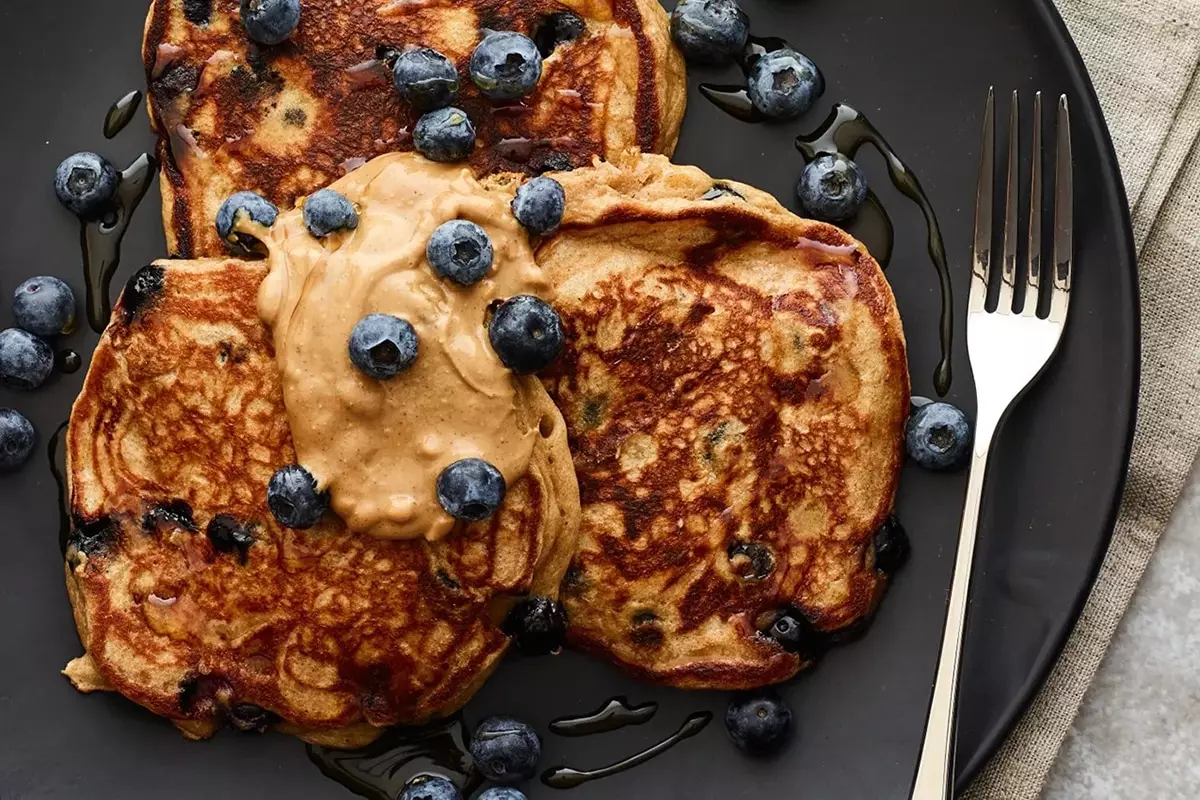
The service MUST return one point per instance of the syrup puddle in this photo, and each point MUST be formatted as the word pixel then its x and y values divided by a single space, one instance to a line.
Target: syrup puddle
pixel 121 114
pixel 57 453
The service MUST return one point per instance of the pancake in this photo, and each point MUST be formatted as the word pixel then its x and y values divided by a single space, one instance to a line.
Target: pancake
pixel 328 634
pixel 286 120
pixel 735 388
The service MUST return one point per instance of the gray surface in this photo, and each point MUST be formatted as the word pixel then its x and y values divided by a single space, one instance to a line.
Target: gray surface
pixel 1138 734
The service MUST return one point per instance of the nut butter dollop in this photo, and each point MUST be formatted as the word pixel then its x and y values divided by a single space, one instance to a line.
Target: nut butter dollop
pixel 379 446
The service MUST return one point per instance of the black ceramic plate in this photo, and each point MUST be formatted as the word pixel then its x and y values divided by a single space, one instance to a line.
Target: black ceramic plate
pixel 920 70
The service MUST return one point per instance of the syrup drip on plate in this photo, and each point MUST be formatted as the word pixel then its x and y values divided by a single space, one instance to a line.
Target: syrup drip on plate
pixel 845 131
pixel 381 769
pixel 101 239
pixel 616 714
pixel 121 114
pixel 569 777
pixel 57 453
pixel 68 362
pixel 735 100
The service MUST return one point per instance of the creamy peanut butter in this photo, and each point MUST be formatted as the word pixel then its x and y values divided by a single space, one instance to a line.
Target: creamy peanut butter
pixel 379 446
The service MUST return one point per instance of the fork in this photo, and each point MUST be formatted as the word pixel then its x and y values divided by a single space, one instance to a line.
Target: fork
pixel 1009 348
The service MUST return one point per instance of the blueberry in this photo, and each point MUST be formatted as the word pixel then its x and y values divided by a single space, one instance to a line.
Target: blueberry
pixel 86 184
pixel 294 499
pixel 506 750
pixel 556 29
pixel 891 546
pixel 710 31
pixel 938 436
pixel 759 723
pixel 460 251
pixel 383 346
pixel 270 21
pixel 430 787
pixel 247 205
pixel 25 360
pixel 526 334
pixel 539 205
pixel 832 188
pixel 444 135
pixel 229 536
pixel 45 306
pixel 503 793
pixel 327 211
pixel 248 717
pixel 784 84
pixel 796 634
pixel 470 489
pixel 537 625
pixel 425 78
pixel 506 66
pixel 16 439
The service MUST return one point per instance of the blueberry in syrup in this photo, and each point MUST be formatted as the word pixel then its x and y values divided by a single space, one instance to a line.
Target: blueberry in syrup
pixel 832 188
pixel 506 750
pixel 86 184
pixel 784 84
pixel 938 436
pixel 471 489
pixel 796 634
pixel 526 334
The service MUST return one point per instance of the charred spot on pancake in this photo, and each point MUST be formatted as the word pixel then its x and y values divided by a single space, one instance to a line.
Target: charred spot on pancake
pixel 891 546
pixel 227 535
pixel 644 617
pixel 295 117
pixel 259 59
pixel 447 581
pixel 143 289
pixel 204 695
pixel 751 561
pixel 719 190
pixel 172 513
pixel 593 412
pixel 555 29
pixel 227 352
pixel 793 631
pixel 647 636
pixel 177 79
pixel 555 161
pixel 91 537
pixel 197 12
pixel 573 580
pixel 247 717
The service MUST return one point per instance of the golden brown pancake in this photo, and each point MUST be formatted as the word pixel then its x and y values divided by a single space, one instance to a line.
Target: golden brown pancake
pixel 735 388
pixel 178 428
pixel 286 120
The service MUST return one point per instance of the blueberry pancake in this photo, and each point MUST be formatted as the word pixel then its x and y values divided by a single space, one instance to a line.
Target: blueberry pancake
pixel 192 600
pixel 735 386
pixel 286 119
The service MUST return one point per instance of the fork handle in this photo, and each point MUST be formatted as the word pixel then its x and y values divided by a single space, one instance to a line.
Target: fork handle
pixel 935 770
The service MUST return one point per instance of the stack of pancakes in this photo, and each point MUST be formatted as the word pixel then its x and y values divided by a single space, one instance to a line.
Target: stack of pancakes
pixel 732 398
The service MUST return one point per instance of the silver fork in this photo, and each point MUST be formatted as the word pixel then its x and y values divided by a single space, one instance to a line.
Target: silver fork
pixel 1009 349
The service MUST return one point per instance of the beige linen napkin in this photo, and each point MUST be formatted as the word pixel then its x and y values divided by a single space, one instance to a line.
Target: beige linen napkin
pixel 1143 56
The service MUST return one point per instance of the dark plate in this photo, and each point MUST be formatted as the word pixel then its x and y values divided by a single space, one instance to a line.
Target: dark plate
pixel 920 70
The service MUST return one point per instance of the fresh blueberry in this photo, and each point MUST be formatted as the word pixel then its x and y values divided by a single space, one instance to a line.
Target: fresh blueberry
pixel 430 787
pixel 270 21
pixel 444 135
pixel 425 78
pixel 526 334
pixel 383 346
pixel 294 499
pixel 506 750
pixel 326 211
pixel 759 723
pixel 503 793
pixel 470 489
pixel 539 205
pixel 938 436
pixel 891 546
pixel 25 360
pixel 557 29
pixel 86 184
pixel 45 306
pixel 710 31
pixel 16 438
pixel 537 625
pixel 796 634
pixel 246 205
pixel 784 84
pixel 460 251
pixel 506 66
pixel 832 188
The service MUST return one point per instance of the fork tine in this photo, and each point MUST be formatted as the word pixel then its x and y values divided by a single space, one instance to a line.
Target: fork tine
pixel 1008 276
pixel 981 256
pixel 1034 256
pixel 1064 214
